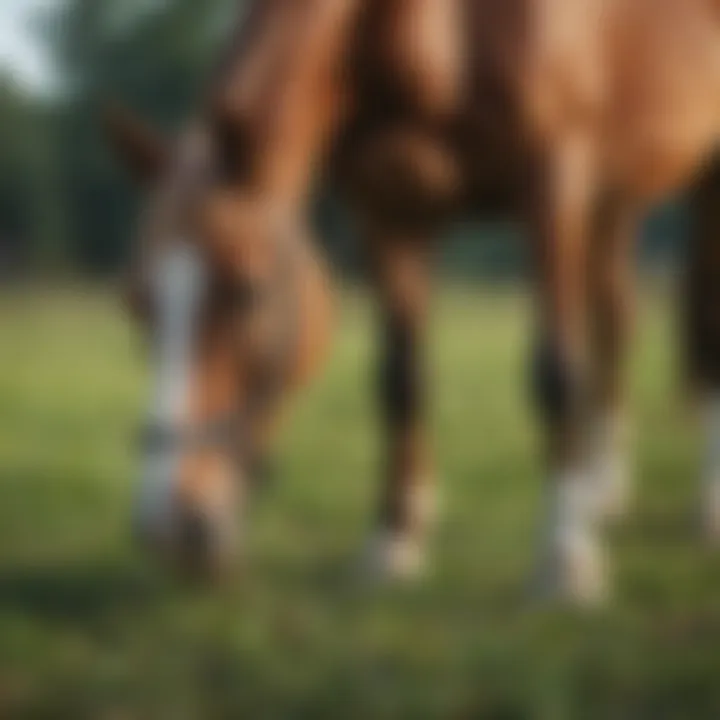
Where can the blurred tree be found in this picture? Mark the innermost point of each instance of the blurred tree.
(151, 55)
(30, 211)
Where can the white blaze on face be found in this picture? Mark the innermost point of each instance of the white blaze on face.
(178, 281)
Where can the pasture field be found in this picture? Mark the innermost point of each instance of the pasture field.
(89, 629)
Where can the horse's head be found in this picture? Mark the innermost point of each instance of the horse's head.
(235, 307)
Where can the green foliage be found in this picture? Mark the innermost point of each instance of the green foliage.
(30, 214)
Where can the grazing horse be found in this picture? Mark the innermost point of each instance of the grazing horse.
(575, 115)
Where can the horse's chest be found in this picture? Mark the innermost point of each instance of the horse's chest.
(416, 166)
(664, 115)
(412, 173)
(440, 97)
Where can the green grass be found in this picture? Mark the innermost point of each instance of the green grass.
(89, 629)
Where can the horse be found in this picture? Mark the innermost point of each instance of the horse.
(574, 116)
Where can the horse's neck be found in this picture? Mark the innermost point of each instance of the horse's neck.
(279, 96)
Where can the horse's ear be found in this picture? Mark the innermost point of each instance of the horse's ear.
(139, 146)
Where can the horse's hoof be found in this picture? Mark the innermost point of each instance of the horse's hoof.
(614, 502)
(426, 505)
(612, 489)
(574, 573)
(609, 469)
(391, 557)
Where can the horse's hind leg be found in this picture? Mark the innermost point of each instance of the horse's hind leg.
(702, 333)
(611, 318)
(400, 266)
(562, 198)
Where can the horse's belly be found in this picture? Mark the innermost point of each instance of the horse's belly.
(664, 84)
(655, 141)
(654, 160)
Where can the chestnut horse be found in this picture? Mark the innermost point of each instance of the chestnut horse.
(576, 115)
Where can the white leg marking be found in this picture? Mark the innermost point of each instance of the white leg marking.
(425, 504)
(609, 464)
(710, 509)
(573, 562)
(178, 284)
(395, 554)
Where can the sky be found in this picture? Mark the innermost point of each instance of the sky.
(18, 50)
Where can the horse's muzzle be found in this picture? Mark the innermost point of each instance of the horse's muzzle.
(194, 533)
(204, 546)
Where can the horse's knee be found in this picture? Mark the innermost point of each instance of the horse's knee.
(557, 386)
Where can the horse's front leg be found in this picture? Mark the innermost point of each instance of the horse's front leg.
(562, 197)
(702, 335)
(611, 321)
(400, 267)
